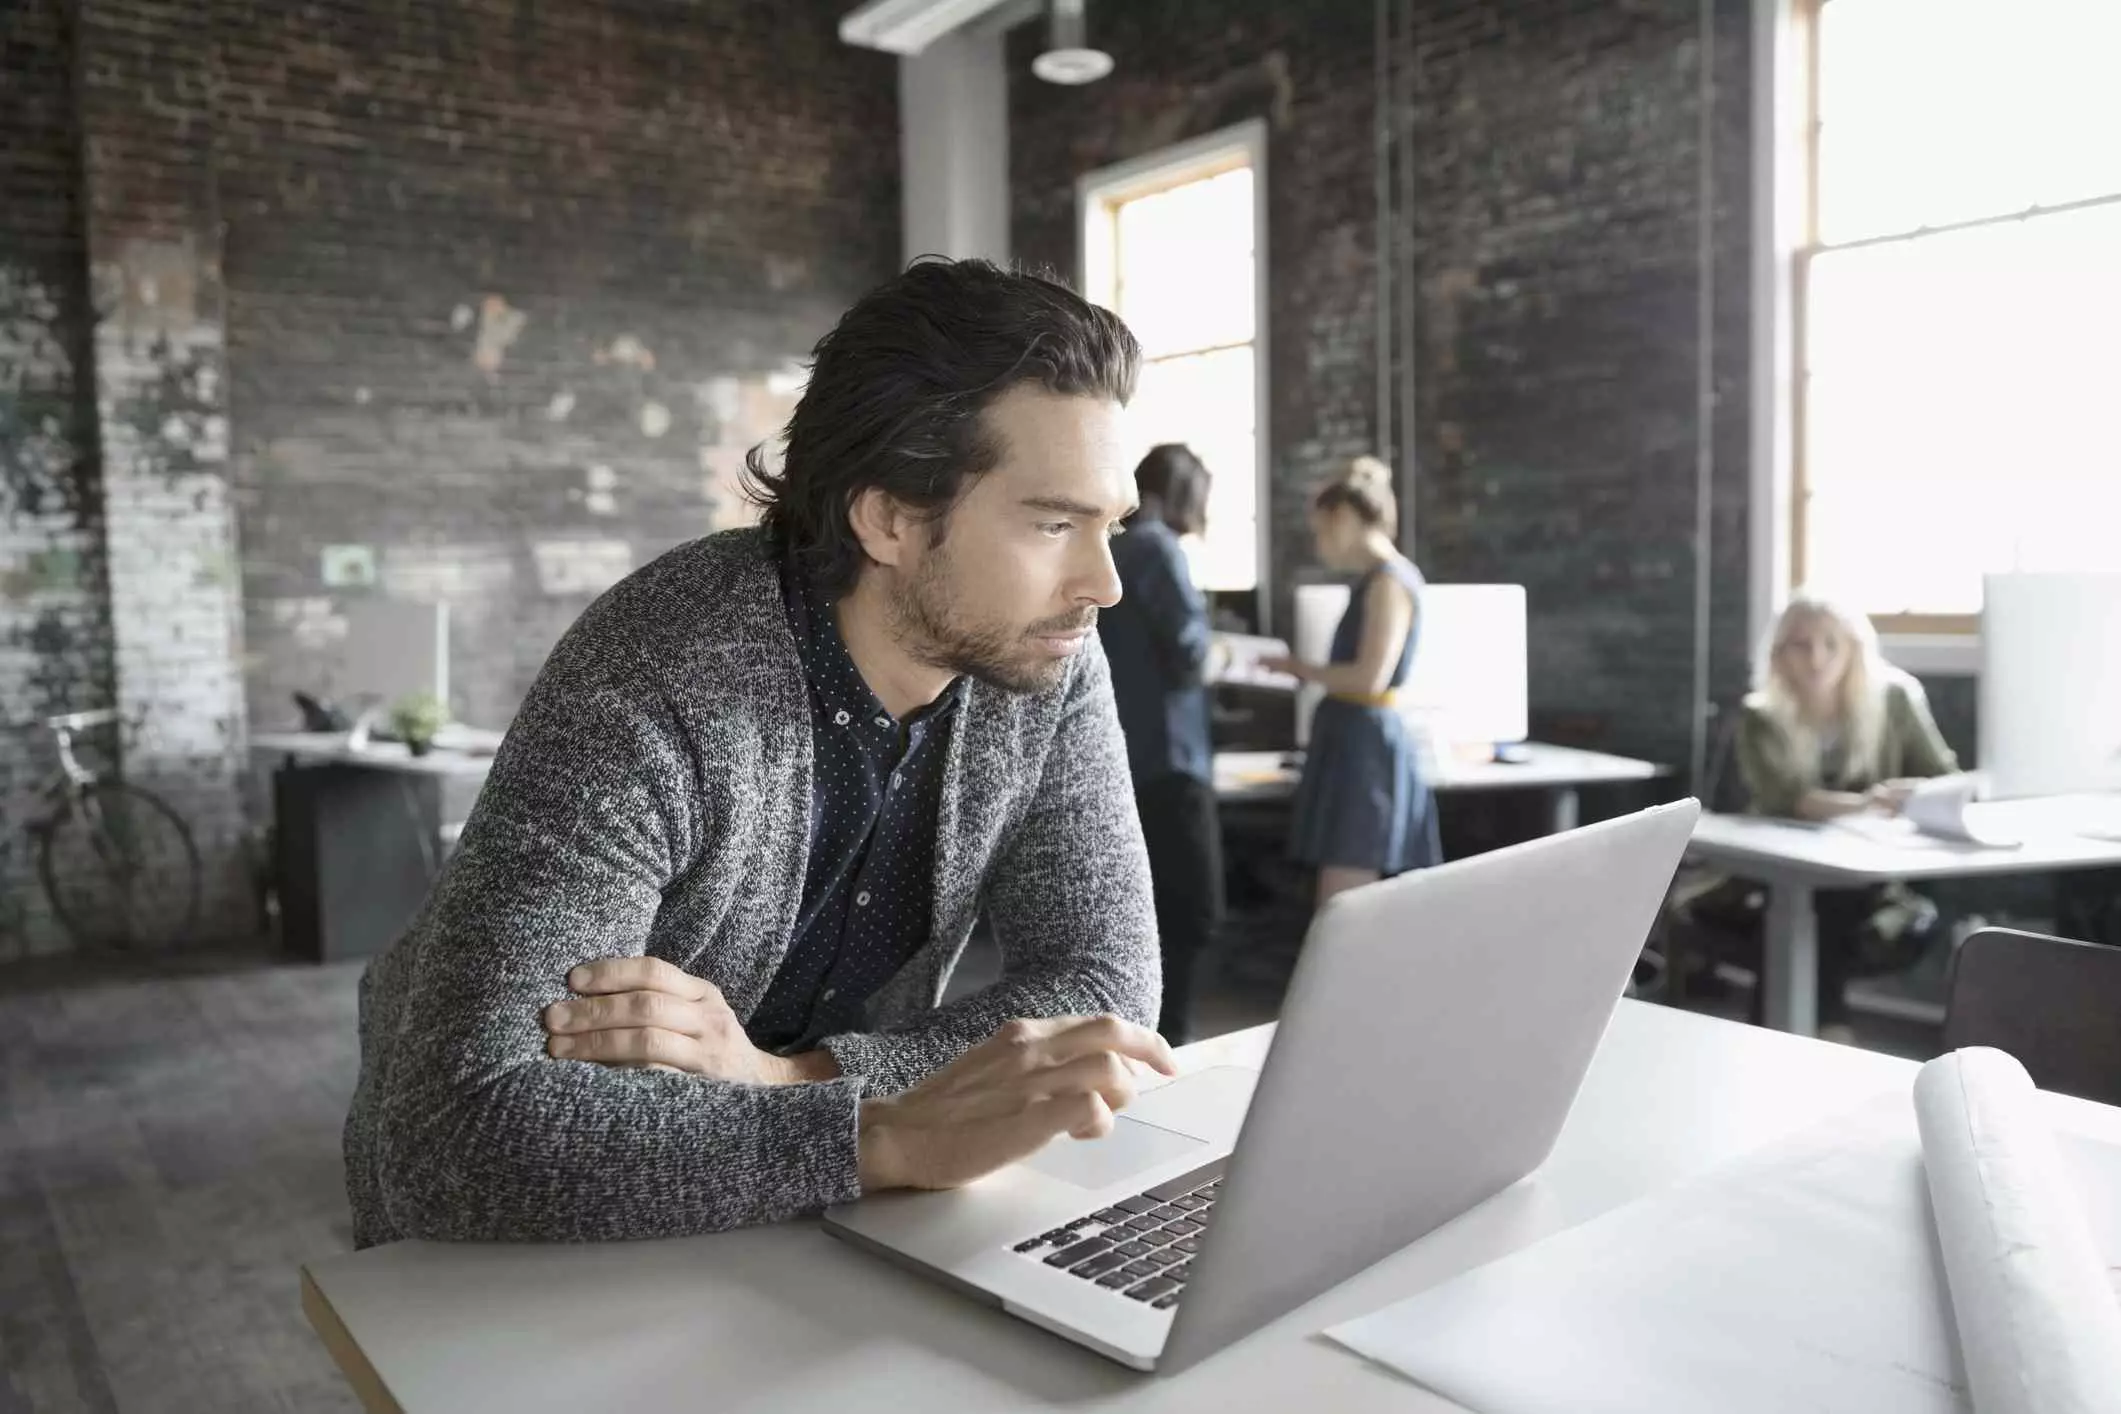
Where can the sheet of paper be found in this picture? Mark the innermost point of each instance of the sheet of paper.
(1235, 658)
(1945, 807)
(2038, 1329)
(1808, 1277)
(1888, 829)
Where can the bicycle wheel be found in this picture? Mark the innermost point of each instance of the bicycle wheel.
(121, 870)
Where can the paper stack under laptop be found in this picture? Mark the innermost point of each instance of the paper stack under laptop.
(1906, 1258)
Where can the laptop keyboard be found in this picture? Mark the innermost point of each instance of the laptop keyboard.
(1140, 1247)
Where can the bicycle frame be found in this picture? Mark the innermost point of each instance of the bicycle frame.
(63, 729)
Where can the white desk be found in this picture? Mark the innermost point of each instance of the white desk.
(1795, 860)
(463, 752)
(786, 1318)
(1250, 776)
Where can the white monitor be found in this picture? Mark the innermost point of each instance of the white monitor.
(1318, 611)
(393, 649)
(1469, 684)
(2050, 719)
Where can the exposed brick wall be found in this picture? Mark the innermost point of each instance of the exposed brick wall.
(1554, 245)
(511, 289)
(55, 638)
(480, 302)
(146, 102)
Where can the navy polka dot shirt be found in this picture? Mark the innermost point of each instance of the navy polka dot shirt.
(876, 787)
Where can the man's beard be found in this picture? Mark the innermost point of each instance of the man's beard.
(927, 625)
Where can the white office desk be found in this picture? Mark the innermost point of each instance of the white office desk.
(787, 1318)
(1795, 860)
(1249, 776)
(462, 752)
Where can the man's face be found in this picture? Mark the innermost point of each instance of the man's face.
(1007, 587)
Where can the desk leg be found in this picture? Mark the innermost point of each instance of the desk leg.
(1567, 811)
(1792, 962)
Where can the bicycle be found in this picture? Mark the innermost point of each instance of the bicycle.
(118, 864)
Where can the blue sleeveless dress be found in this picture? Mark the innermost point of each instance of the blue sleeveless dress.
(1362, 803)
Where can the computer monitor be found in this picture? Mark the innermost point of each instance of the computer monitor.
(393, 649)
(1469, 683)
(2050, 696)
(1318, 611)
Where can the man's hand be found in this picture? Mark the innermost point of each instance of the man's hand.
(641, 1011)
(1003, 1099)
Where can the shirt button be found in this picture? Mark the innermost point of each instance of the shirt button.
(861, 900)
(883, 721)
(841, 718)
(831, 992)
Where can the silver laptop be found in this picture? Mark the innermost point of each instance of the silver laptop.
(1431, 1043)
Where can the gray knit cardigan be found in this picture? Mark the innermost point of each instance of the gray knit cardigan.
(653, 796)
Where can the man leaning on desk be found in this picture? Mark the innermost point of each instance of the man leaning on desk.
(683, 972)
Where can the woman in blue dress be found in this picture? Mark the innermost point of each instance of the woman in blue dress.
(1363, 811)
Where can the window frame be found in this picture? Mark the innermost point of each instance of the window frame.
(1099, 194)
(1924, 641)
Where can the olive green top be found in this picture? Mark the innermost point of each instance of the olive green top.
(1777, 778)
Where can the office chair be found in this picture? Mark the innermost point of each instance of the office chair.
(2053, 1003)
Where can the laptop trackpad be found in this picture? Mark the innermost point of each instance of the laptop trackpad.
(1131, 1147)
(1167, 1122)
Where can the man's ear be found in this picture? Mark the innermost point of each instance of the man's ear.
(883, 525)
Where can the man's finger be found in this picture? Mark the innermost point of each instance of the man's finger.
(1091, 1034)
(626, 1009)
(1096, 1119)
(640, 1045)
(637, 974)
(1101, 1073)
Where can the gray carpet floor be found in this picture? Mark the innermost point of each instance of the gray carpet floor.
(169, 1155)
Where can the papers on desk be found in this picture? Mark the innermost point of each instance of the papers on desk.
(2039, 1329)
(1945, 809)
(1810, 1278)
(1236, 658)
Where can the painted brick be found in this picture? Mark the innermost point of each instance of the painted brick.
(55, 637)
(506, 283)
(491, 297)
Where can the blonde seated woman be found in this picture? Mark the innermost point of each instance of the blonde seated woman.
(1834, 730)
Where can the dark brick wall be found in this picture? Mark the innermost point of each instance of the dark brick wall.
(55, 635)
(513, 286)
(1555, 249)
(480, 302)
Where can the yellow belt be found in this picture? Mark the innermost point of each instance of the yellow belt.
(1367, 699)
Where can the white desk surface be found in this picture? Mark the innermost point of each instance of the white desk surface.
(459, 751)
(1243, 775)
(1832, 856)
(786, 1318)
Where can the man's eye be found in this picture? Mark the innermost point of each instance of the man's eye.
(1056, 527)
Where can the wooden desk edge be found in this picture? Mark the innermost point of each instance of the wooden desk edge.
(367, 1385)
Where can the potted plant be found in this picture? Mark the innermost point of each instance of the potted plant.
(417, 718)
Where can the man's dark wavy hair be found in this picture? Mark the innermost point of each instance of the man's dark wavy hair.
(898, 388)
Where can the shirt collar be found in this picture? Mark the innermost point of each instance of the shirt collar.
(837, 689)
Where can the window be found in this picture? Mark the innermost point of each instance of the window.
(1958, 301)
(1172, 244)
